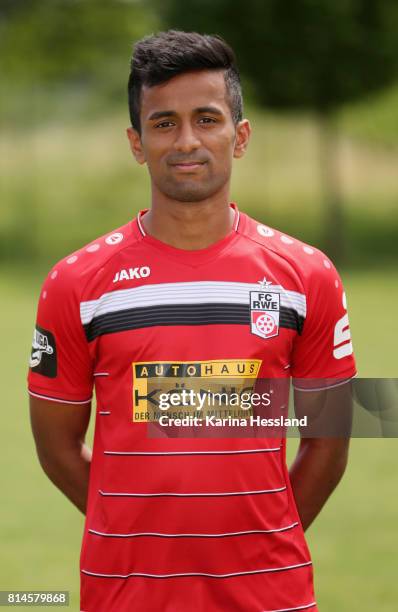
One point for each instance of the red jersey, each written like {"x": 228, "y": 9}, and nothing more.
{"x": 188, "y": 524}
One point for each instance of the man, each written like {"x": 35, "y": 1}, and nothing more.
{"x": 190, "y": 287}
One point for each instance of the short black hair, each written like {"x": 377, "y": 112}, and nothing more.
{"x": 160, "y": 57}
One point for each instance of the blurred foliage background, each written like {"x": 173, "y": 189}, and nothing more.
{"x": 321, "y": 90}
{"x": 320, "y": 81}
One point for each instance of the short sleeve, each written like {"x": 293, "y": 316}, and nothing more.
{"x": 60, "y": 367}
{"x": 323, "y": 352}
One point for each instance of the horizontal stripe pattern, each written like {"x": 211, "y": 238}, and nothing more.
{"x": 210, "y": 452}
{"x": 204, "y": 574}
{"x": 185, "y": 303}
{"x": 212, "y": 292}
{"x": 179, "y": 314}
{"x": 193, "y": 535}
{"x": 328, "y": 384}
{"x": 58, "y": 399}
{"x": 296, "y": 609}
{"x": 173, "y": 494}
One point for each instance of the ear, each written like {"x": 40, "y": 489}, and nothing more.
{"x": 136, "y": 145}
{"x": 242, "y": 137}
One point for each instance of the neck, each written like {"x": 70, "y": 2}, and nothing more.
{"x": 189, "y": 225}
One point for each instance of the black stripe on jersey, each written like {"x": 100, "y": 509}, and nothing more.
{"x": 182, "y": 314}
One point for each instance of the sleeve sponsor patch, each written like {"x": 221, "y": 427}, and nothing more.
{"x": 43, "y": 359}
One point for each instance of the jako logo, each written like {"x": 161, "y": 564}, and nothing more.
{"x": 132, "y": 273}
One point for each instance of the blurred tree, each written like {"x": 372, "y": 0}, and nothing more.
{"x": 61, "y": 58}
{"x": 307, "y": 55}
{"x": 69, "y": 44}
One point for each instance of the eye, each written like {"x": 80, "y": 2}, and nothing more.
{"x": 207, "y": 120}
{"x": 164, "y": 124}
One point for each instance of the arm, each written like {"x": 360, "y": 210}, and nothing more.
{"x": 315, "y": 473}
{"x": 59, "y": 430}
{"x": 321, "y": 461}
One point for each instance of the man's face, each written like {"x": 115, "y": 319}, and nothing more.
{"x": 188, "y": 137}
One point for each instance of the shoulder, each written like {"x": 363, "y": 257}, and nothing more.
{"x": 72, "y": 273}
{"x": 309, "y": 263}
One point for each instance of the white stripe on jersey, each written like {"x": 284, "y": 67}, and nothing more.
{"x": 208, "y": 452}
{"x": 193, "y": 535}
{"x": 205, "y": 574}
{"x": 311, "y": 605}
{"x": 326, "y": 386}
{"x": 172, "y": 494}
{"x": 59, "y": 400}
{"x": 201, "y": 292}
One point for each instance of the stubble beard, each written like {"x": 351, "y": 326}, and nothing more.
{"x": 191, "y": 190}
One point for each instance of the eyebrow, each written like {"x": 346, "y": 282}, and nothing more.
{"x": 170, "y": 113}
{"x": 209, "y": 109}
{"x": 161, "y": 114}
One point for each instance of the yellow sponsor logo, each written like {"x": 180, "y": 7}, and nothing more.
{"x": 203, "y": 386}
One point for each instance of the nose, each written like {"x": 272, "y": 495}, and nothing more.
{"x": 186, "y": 140}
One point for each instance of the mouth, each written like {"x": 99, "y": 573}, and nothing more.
{"x": 188, "y": 166}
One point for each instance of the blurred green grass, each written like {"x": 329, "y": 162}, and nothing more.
{"x": 40, "y": 532}
{"x": 352, "y": 542}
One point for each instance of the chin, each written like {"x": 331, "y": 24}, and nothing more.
{"x": 190, "y": 193}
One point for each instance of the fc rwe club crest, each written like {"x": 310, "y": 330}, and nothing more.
{"x": 264, "y": 313}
